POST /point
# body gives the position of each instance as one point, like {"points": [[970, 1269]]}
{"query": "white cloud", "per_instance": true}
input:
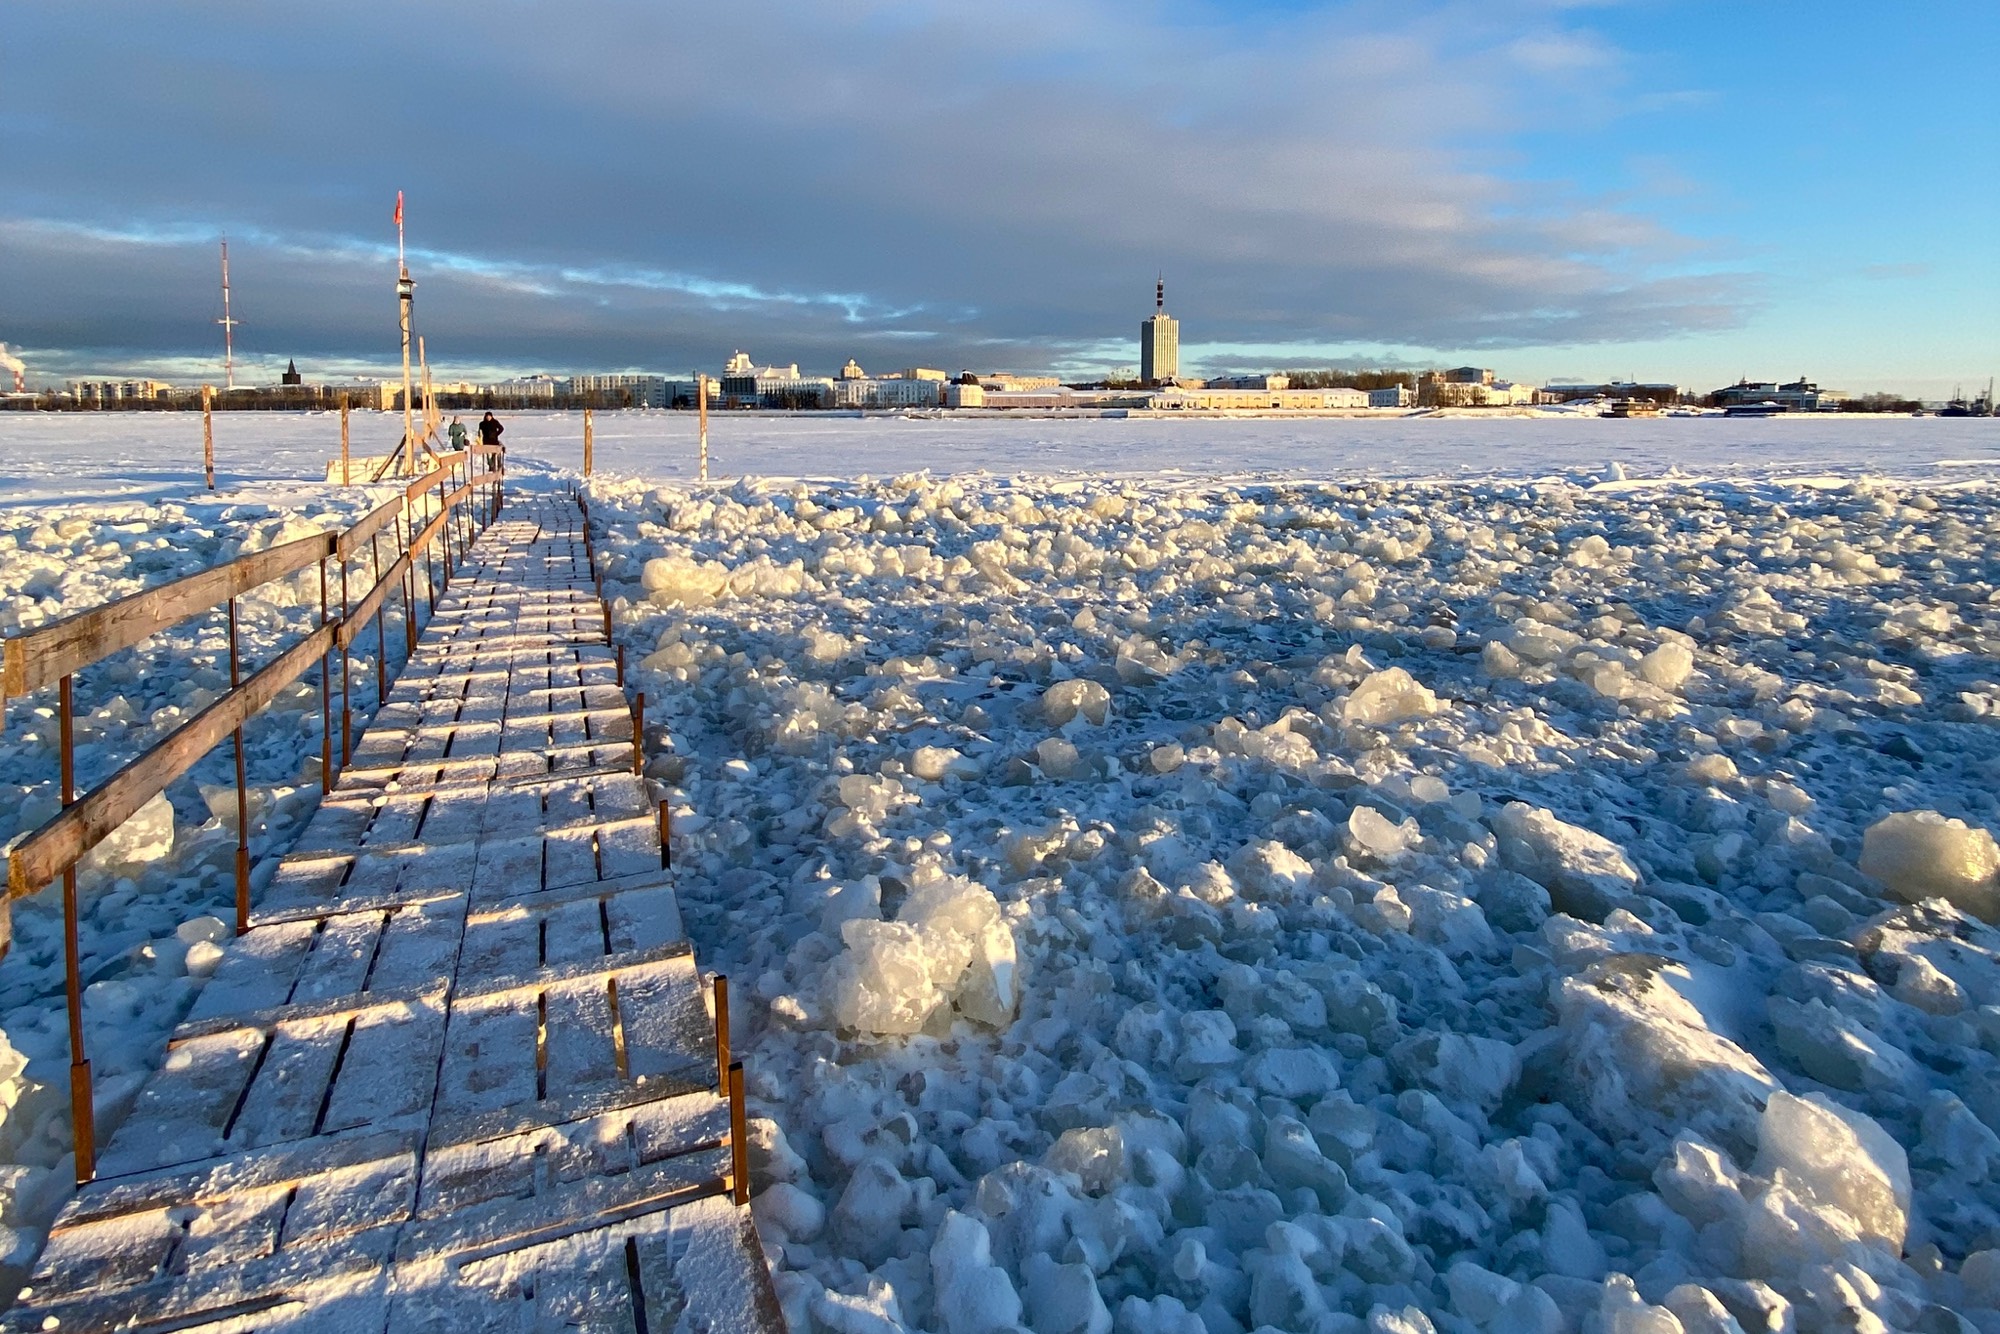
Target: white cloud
{"points": [[686, 177]]}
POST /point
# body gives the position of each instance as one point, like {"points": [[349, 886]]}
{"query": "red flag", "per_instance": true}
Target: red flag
{"points": [[399, 208]]}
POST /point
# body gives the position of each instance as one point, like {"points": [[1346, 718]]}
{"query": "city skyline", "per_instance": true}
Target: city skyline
{"points": [[1568, 191]]}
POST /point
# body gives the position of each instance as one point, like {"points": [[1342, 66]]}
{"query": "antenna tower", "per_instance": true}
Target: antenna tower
{"points": [[228, 324], [406, 293], [1160, 295]]}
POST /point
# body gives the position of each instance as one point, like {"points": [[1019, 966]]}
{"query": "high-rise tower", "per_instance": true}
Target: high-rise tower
{"points": [[1160, 341]]}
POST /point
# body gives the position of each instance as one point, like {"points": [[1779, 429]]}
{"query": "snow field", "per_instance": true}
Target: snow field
{"points": [[157, 895], [1514, 906]]}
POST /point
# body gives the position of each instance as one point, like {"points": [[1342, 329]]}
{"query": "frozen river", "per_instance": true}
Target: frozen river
{"points": [[54, 456]]}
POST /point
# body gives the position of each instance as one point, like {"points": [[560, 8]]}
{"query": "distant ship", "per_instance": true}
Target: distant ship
{"points": [[1765, 409], [1978, 407], [1633, 407]]}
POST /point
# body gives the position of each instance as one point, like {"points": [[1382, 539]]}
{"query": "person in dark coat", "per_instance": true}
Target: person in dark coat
{"points": [[490, 429]]}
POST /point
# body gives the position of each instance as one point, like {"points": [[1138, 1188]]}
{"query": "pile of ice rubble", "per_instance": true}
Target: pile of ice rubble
{"points": [[1180, 907], [156, 895]]}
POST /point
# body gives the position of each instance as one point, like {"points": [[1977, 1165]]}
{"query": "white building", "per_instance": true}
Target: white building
{"points": [[1211, 399], [964, 396], [537, 388], [1002, 382], [1393, 396], [893, 392], [647, 391]]}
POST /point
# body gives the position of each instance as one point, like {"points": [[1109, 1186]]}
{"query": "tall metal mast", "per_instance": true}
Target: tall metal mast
{"points": [[228, 324], [406, 295]]}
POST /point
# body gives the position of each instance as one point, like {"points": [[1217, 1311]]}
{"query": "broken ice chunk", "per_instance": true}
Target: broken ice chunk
{"points": [[1642, 1060], [930, 763], [1065, 700], [1373, 834], [1668, 666], [1921, 854], [975, 1295], [1586, 874], [1841, 1158], [1389, 696]]}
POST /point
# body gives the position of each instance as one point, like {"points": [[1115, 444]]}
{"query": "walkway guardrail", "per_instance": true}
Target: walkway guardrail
{"points": [[435, 518]]}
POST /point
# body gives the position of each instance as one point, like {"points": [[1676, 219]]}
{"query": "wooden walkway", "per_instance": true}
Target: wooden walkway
{"points": [[461, 1073]]}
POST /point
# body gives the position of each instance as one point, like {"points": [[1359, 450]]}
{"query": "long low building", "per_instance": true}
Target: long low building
{"points": [[1255, 400]]}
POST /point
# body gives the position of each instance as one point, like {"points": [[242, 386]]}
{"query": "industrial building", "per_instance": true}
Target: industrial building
{"points": [[1614, 390]]}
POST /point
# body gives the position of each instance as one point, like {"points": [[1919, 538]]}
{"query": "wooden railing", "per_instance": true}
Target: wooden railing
{"points": [[435, 518]]}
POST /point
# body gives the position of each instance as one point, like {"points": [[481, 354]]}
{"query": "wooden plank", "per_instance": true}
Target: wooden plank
{"points": [[582, 1049], [44, 655], [719, 1268], [489, 1055], [40, 858], [422, 484], [350, 541], [594, 889], [429, 532], [348, 629], [558, 972], [510, 1224], [282, 1103], [390, 1069], [182, 1114], [222, 1178]]}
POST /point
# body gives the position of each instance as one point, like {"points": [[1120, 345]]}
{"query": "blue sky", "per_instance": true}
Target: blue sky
{"points": [[1684, 191]]}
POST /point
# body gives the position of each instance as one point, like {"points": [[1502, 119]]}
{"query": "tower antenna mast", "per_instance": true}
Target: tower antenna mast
{"points": [[228, 324], [406, 293]]}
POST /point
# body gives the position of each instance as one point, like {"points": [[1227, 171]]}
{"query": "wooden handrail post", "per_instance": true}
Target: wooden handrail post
{"points": [[721, 1036], [639, 733], [381, 631], [242, 791], [325, 696], [586, 442], [739, 1137], [82, 1107], [346, 474], [208, 434], [346, 713], [666, 835]]}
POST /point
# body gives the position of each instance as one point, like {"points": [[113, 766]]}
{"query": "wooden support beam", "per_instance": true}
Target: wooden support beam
{"points": [[42, 856], [350, 541], [348, 629], [43, 656]]}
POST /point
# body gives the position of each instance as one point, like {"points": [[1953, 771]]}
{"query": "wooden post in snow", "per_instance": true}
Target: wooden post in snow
{"points": [[208, 434], [586, 442], [346, 476], [701, 404]]}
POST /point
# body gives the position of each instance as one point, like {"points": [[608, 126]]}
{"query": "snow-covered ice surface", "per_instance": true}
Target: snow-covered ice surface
{"points": [[1169, 902], [1162, 904], [69, 456], [662, 445], [157, 895]]}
